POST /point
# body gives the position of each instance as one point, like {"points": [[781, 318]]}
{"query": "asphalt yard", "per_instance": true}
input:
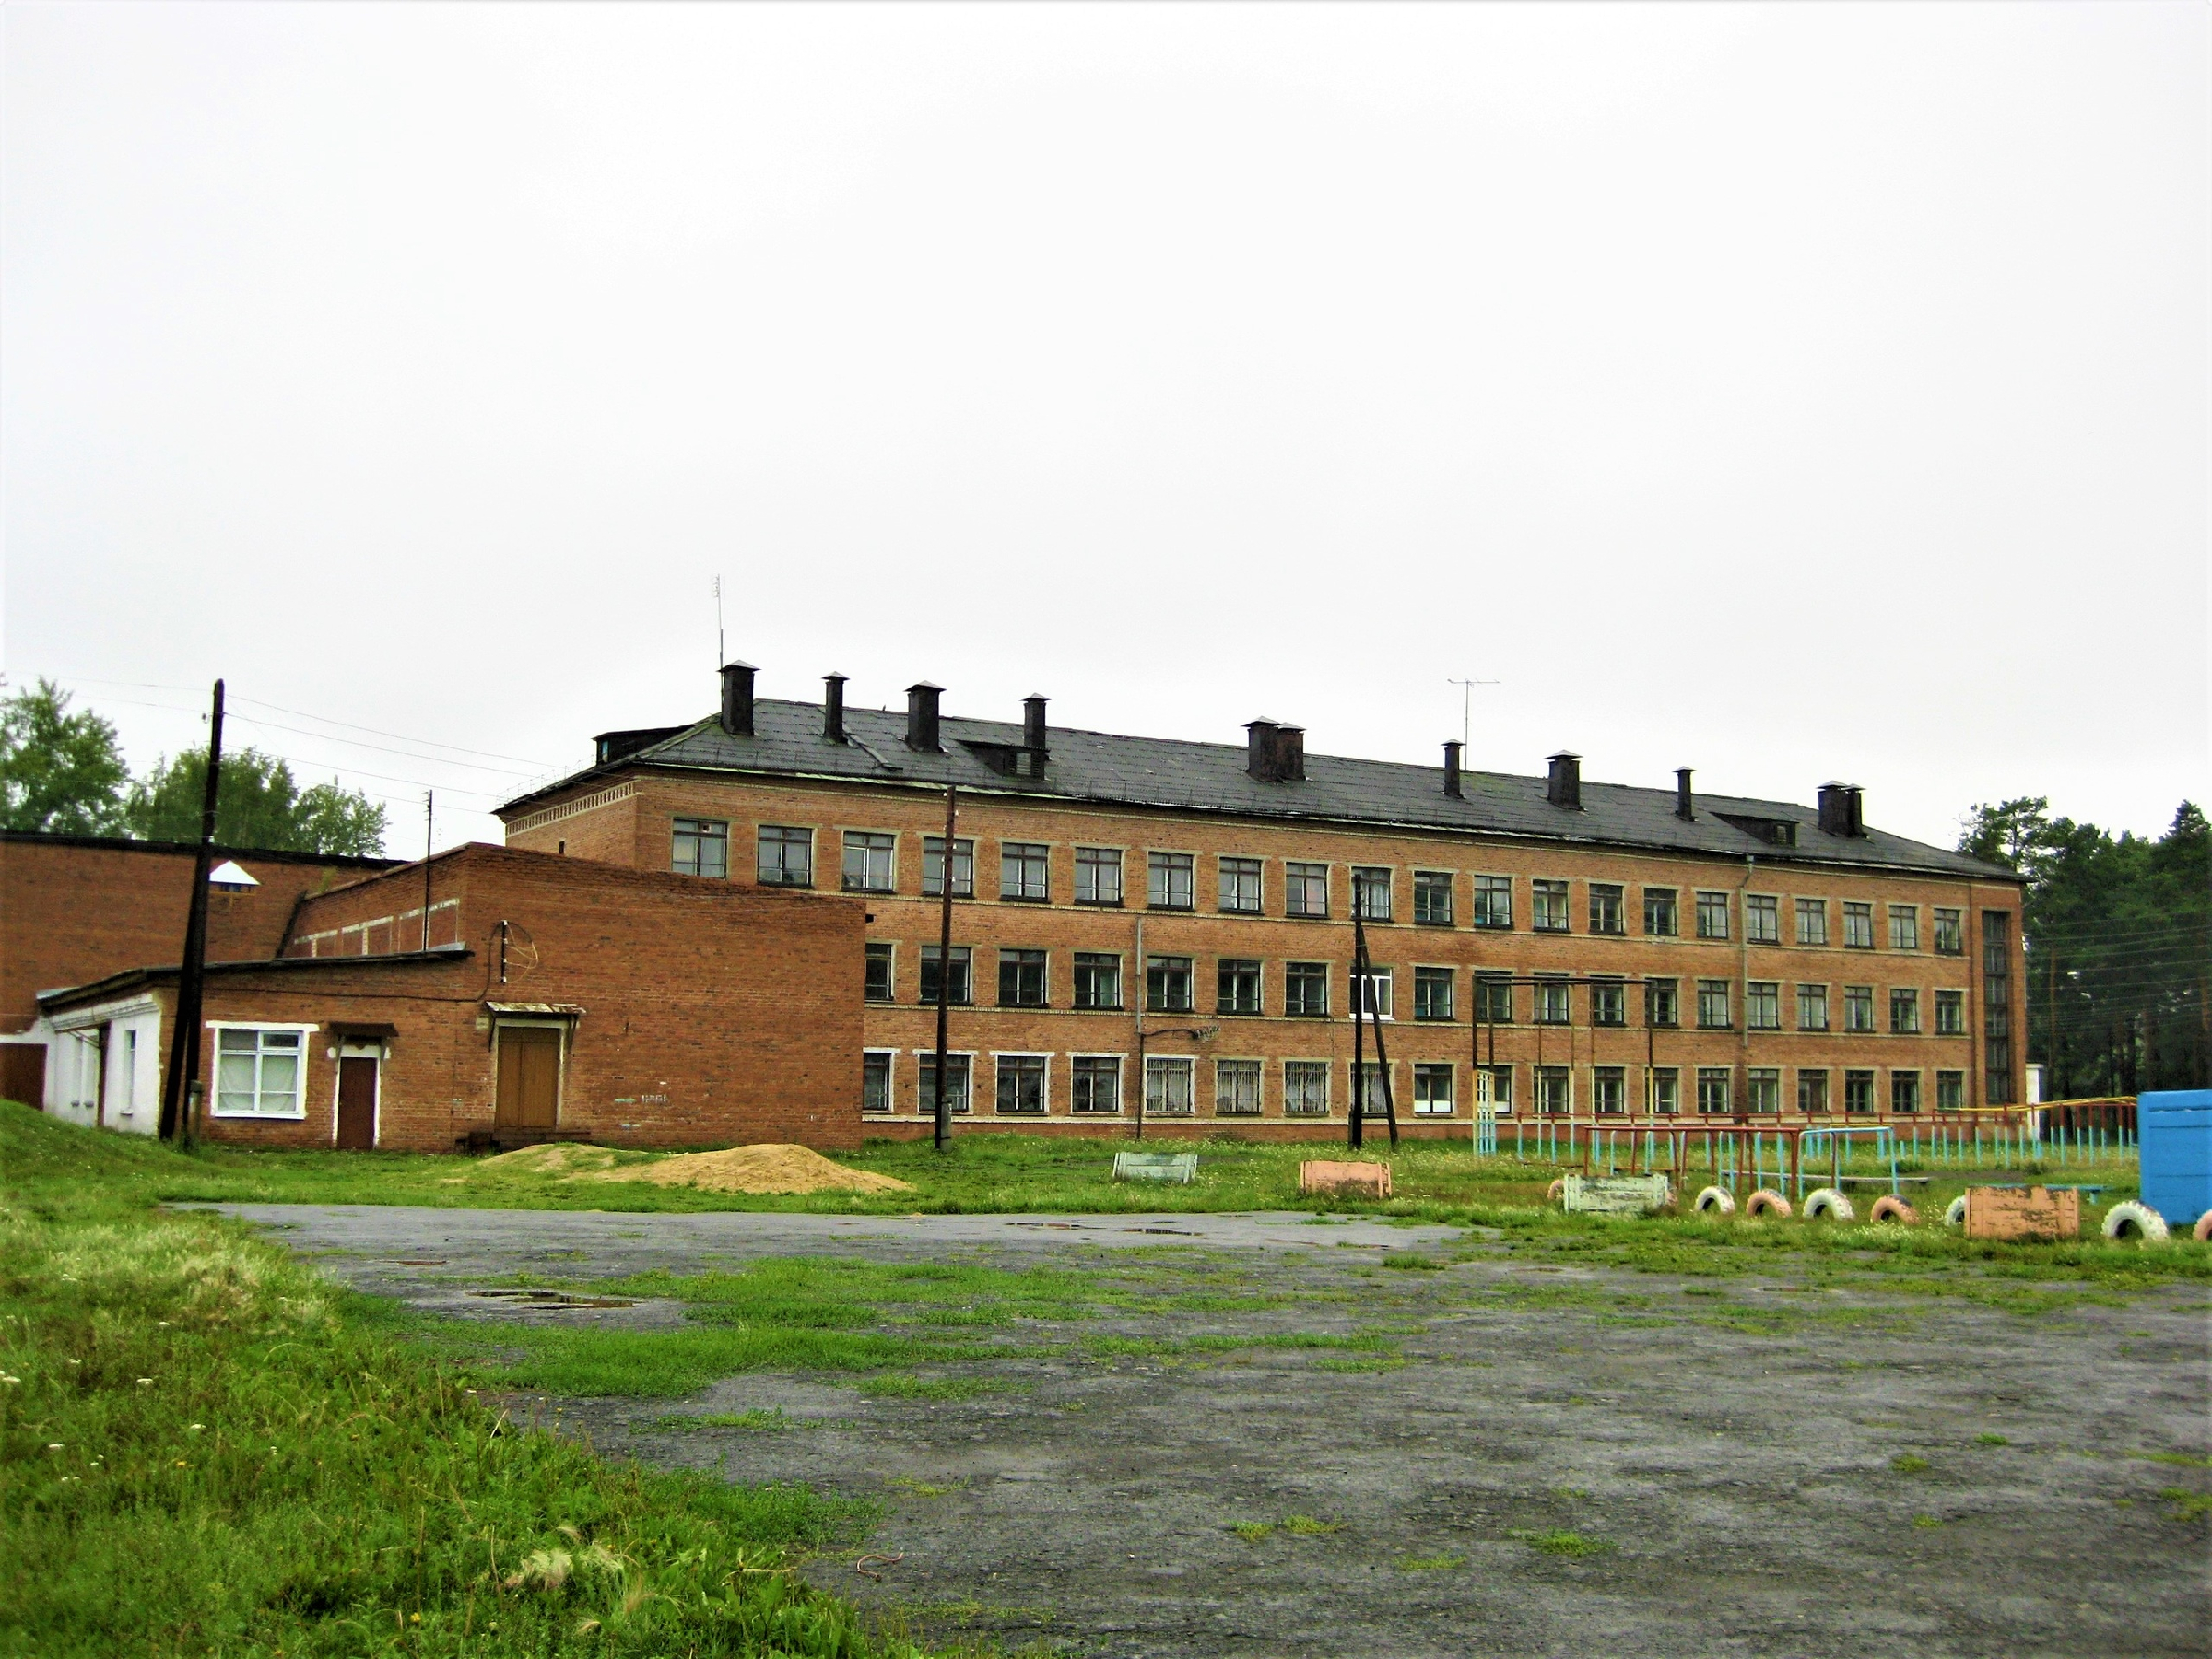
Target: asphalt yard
{"points": [[1251, 1435]]}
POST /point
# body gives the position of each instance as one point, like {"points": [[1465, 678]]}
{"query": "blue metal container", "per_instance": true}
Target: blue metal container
{"points": [[2175, 1128]]}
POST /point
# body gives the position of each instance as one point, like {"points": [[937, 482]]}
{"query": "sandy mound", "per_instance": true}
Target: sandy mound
{"points": [[771, 1168], [553, 1158]]}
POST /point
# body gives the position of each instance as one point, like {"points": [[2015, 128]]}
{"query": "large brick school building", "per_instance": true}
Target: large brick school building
{"points": [[1171, 921]]}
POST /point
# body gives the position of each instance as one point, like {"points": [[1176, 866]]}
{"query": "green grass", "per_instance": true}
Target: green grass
{"points": [[1906, 1463], [1559, 1542], [768, 1421], [1433, 1563], [1990, 1439], [206, 1449]]}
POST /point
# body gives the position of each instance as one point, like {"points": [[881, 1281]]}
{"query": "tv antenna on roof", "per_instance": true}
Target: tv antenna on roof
{"points": [[722, 653], [1466, 711]]}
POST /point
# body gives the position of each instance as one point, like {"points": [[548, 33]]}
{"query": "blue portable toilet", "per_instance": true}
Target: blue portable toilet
{"points": [[2174, 1128]]}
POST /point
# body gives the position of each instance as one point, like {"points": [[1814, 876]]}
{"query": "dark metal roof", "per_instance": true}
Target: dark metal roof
{"points": [[130, 979], [1107, 769], [124, 843]]}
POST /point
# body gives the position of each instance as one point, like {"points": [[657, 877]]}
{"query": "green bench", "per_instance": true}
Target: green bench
{"points": [[1180, 1167]]}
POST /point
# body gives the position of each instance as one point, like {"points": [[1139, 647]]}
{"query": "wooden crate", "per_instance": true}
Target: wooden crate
{"points": [[2022, 1212], [1348, 1180]]}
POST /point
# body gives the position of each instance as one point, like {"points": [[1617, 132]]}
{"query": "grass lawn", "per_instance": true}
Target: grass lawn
{"points": [[205, 1448]]}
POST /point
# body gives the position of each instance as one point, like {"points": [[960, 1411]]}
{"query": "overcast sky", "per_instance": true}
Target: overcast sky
{"points": [[1789, 392]]}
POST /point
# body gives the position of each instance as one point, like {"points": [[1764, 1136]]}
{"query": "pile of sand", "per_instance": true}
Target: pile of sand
{"points": [[769, 1167], [552, 1157]]}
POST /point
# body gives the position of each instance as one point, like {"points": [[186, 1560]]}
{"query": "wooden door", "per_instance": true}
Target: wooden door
{"points": [[356, 1103], [529, 1077]]}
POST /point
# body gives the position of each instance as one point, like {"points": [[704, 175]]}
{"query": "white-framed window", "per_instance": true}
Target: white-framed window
{"points": [[1098, 875], [1236, 1088], [958, 1068], [1241, 885], [875, 1079], [259, 1071], [1168, 1090], [871, 862], [1371, 994], [1305, 1089], [1435, 1089], [1022, 1083], [1171, 880], [1094, 1086]]}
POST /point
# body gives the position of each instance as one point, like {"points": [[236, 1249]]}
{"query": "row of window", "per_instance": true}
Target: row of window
{"points": [[1170, 987], [1022, 1085], [786, 858]]}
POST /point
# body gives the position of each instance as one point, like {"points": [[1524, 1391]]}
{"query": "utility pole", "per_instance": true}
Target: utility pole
{"points": [[430, 821], [942, 1110], [181, 1095]]}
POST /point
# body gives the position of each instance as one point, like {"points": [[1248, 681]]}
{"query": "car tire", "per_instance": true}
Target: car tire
{"points": [[1767, 1202], [1891, 1207], [2202, 1231], [1954, 1213], [1830, 1203], [2131, 1218], [1714, 1201]]}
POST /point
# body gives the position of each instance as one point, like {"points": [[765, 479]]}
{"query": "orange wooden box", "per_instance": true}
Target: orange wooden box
{"points": [[1354, 1180], [2022, 1212]]}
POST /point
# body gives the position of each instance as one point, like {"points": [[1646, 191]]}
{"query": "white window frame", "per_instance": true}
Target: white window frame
{"points": [[891, 1088], [1449, 1106], [1162, 1065], [1259, 1093], [1121, 1067], [1044, 1094], [1327, 1089], [1365, 1001], [921, 1101], [213, 1101]]}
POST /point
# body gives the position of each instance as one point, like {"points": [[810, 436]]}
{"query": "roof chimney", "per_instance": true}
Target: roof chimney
{"points": [[1275, 753], [1835, 809], [1856, 797], [922, 716], [1452, 769], [1032, 728], [833, 707], [1565, 787], [1686, 806], [737, 699]]}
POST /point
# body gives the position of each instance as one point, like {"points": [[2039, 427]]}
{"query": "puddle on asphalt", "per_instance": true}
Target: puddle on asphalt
{"points": [[557, 1298]]}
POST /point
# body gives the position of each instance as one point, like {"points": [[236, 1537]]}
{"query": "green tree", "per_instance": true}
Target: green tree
{"points": [[257, 805], [59, 772]]}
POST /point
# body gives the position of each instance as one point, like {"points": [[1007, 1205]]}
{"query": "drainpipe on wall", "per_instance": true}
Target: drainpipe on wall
{"points": [[1137, 1001]]}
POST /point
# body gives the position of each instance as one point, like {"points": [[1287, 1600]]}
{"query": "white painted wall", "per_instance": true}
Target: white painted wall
{"points": [[132, 1084], [133, 1081]]}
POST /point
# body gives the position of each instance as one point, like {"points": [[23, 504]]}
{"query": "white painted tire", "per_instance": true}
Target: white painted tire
{"points": [[2131, 1218], [1714, 1201], [1827, 1202], [2202, 1231], [1954, 1213], [1767, 1202]]}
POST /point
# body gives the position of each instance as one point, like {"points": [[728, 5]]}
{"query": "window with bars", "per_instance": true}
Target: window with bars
{"points": [[1168, 1086], [1238, 985], [1662, 912], [1493, 902], [1904, 1010], [1097, 980], [1022, 979], [1305, 988], [1858, 926], [1713, 1005], [700, 847], [1609, 908], [1236, 1088], [870, 863], [1370, 893], [1858, 1008], [1305, 1089], [1167, 985], [1661, 1003], [1548, 906], [1367, 1089], [877, 987], [958, 986], [1241, 886], [1305, 889], [1095, 1085], [1762, 1005], [1950, 1013], [1098, 876], [1714, 1083], [1762, 918], [932, 866], [1904, 927], [786, 856], [1021, 1084], [1435, 1089], [1432, 898], [1812, 921], [1025, 872], [1432, 997], [1171, 880], [1609, 1003], [1713, 915], [1812, 1008]]}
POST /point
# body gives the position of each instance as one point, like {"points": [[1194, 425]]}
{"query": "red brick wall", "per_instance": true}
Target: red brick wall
{"points": [[76, 910]]}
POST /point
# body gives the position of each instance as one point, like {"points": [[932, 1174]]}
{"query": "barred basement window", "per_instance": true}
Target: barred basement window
{"points": [[1098, 876], [1609, 1003], [1608, 1090], [1548, 903], [1950, 1013], [1812, 1092], [1097, 980], [1609, 908], [868, 866], [1241, 886], [1904, 1010], [1236, 1088], [701, 847], [1493, 902], [876, 1081], [932, 866], [1021, 982], [1661, 917], [1712, 1089], [1494, 999], [1370, 894], [1167, 985], [1432, 992], [1432, 898], [1713, 915], [1021, 1084], [1858, 926], [877, 987], [1762, 1089], [1096, 1084], [1435, 1090], [1812, 1008], [1237, 986], [786, 856], [1025, 872], [1305, 1089], [957, 987], [1812, 921], [1171, 880], [1305, 889], [1305, 988]]}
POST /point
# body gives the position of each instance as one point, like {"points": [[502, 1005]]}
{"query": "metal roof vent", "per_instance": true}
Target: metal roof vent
{"points": [[737, 699], [922, 716], [1564, 788]]}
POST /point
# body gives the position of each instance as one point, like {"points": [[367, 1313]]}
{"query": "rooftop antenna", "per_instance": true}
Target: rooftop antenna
{"points": [[1466, 711], [722, 653]]}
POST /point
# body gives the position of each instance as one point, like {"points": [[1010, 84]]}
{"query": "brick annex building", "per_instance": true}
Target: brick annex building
{"points": [[1176, 917]]}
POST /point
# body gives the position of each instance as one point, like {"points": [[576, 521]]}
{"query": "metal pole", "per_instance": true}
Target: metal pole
{"points": [[184, 1042], [1356, 1132], [942, 1110], [430, 839]]}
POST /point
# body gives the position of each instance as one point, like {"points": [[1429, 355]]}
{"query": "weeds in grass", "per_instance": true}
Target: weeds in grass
{"points": [[2180, 1460], [1412, 1264], [1906, 1463], [2187, 1504], [923, 1489], [1990, 1439], [1358, 1365], [1433, 1563], [1306, 1526], [1925, 1521], [768, 1420], [1252, 1532], [1559, 1542]]}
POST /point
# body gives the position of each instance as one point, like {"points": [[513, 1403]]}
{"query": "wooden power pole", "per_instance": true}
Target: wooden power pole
{"points": [[180, 1097]]}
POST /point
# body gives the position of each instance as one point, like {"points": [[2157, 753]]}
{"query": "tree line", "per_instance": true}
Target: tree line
{"points": [[62, 771], [2119, 947]]}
